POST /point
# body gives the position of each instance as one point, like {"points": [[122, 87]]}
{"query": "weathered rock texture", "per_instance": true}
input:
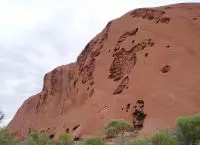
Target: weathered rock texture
{"points": [[149, 54]]}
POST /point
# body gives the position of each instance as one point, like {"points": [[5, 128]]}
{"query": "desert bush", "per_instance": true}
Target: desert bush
{"points": [[197, 142], [37, 139], [6, 137], [163, 138], [27, 142], [188, 129], [93, 141], [118, 126], [140, 141], [115, 127], [65, 139]]}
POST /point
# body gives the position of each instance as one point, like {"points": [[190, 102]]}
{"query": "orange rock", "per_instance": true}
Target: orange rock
{"points": [[149, 54]]}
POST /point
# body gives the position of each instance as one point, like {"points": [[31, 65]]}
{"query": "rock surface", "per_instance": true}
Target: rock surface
{"points": [[149, 54]]}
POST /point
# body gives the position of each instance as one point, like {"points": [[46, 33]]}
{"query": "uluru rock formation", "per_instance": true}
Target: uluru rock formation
{"points": [[149, 54]]}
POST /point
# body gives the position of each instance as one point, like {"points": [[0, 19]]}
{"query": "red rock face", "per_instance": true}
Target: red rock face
{"points": [[150, 54]]}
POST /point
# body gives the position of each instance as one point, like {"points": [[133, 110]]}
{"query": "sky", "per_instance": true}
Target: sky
{"points": [[38, 35]]}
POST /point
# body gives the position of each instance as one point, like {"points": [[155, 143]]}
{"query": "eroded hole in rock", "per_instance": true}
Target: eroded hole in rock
{"points": [[75, 127], [165, 20], [147, 13], [87, 59], [146, 54], [165, 69], [128, 107], [75, 82], [51, 136], [91, 92], [125, 60], [122, 109], [117, 78], [124, 83], [124, 37], [168, 46], [154, 15], [194, 19], [139, 115], [67, 130], [77, 138], [91, 83]]}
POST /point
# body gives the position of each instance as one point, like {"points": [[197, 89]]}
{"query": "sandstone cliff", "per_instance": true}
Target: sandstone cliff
{"points": [[149, 54]]}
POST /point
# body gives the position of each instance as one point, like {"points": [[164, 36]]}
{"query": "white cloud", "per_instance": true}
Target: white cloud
{"points": [[38, 35]]}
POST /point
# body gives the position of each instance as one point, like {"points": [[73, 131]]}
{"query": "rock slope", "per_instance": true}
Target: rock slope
{"points": [[149, 55]]}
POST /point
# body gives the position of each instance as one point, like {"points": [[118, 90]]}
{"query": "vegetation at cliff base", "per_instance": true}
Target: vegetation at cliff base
{"points": [[185, 132]]}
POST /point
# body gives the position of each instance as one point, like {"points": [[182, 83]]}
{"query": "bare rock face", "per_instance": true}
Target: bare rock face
{"points": [[149, 54]]}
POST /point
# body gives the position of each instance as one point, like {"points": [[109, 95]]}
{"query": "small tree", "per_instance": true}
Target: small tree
{"points": [[37, 139], [116, 127], [163, 138], [6, 138], [197, 142], [188, 129], [66, 139]]}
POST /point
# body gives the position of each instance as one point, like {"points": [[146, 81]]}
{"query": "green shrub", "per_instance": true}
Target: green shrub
{"points": [[116, 127], [111, 131], [37, 139], [163, 138], [28, 142], [140, 141], [6, 137], [65, 139], [93, 141], [188, 129], [197, 142]]}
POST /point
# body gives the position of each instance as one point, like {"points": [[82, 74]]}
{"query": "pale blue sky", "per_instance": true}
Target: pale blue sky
{"points": [[38, 35]]}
